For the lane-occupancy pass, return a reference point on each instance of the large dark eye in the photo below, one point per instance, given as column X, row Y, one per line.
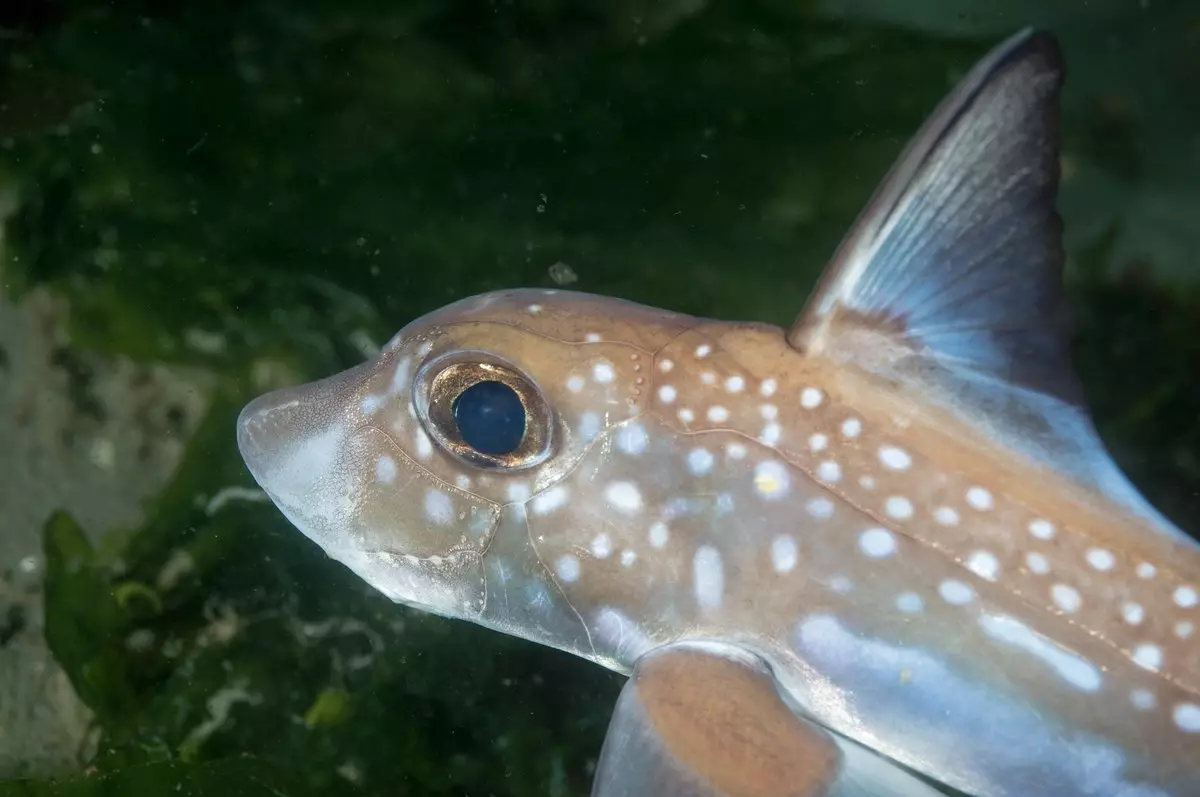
column 490, row 418
column 484, row 412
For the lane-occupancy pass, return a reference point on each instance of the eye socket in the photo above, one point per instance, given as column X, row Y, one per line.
column 484, row 413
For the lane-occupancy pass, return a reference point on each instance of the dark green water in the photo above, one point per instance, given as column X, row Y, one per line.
column 265, row 189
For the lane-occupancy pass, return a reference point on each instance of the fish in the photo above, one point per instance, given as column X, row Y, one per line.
column 880, row 552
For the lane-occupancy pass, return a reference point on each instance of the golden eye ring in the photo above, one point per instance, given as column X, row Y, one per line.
column 483, row 383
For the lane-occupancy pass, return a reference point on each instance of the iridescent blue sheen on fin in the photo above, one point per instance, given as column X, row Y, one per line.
column 950, row 281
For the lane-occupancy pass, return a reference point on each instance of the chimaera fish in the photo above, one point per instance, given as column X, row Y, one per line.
column 887, row 540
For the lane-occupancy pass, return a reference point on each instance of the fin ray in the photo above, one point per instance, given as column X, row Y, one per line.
column 963, row 231
column 951, row 278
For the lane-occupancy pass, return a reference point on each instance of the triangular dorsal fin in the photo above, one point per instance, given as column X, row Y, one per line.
column 959, row 252
column 951, row 278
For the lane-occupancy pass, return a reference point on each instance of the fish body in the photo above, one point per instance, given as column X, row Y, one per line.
column 889, row 534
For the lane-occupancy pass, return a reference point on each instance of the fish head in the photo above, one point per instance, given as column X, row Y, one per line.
column 416, row 469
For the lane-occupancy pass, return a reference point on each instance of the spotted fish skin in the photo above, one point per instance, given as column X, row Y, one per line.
column 975, row 594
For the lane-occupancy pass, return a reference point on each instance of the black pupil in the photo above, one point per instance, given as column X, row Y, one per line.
column 490, row 418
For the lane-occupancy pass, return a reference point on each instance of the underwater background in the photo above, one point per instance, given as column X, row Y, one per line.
column 201, row 201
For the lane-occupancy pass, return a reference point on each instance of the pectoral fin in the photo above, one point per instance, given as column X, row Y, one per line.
column 707, row 723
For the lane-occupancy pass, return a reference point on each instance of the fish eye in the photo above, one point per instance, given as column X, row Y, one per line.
column 490, row 418
column 485, row 413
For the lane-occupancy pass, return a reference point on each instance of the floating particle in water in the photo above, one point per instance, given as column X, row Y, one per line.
column 562, row 274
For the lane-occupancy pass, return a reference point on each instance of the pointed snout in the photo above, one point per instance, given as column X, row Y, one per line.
column 278, row 433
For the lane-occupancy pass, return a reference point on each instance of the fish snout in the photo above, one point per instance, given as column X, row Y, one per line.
column 275, row 429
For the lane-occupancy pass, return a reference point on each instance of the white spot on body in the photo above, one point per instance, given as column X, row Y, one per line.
column 877, row 543
column 956, row 592
column 385, row 470
column 1037, row 563
column 770, row 434
column 1075, row 670
column 700, row 461
column 811, row 398
column 602, row 546
column 841, row 585
column 686, row 415
column 851, row 428
column 1184, row 629
column 945, row 516
column 592, row 337
column 735, row 384
column 829, row 471
column 659, row 535
column 703, row 350
column 818, row 442
column 898, row 507
column 628, row 557
column 1042, row 529
column 984, row 564
column 735, row 451
column 372, row 404
column 632, row 439
column 589, row 426
column 769, row 412
column 1101, row 559
column 895, row 458
column 575, row 383
column 1187, row 717
column 567, row 568
column 667, row 394
column 909, row 602
column 1066, row 598
column 439, row 508
column 771, row 479
column 980, row 499
column 400, row 377
column 535, row 308
column 768, row 388
column 1148, row 656
column 518, row 492
column 783, row 554
column 1133, row 613
column 603, row 373
column 548, row 501
column 424, row 444
column 1145, row 570
column 820, row 508
column 665, row 366
column 624, row 497
column 1142, row 699
column 718, row 414
column 1186, row 597
column 708, row 577
column 708, row 378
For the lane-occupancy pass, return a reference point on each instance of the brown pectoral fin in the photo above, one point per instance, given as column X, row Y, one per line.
column 701, row 723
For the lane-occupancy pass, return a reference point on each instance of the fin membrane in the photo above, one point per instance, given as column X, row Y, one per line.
column 690, row 722
column 959, row 253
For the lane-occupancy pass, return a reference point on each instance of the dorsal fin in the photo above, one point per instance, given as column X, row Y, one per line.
column 959, row 252
column 951, row 278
